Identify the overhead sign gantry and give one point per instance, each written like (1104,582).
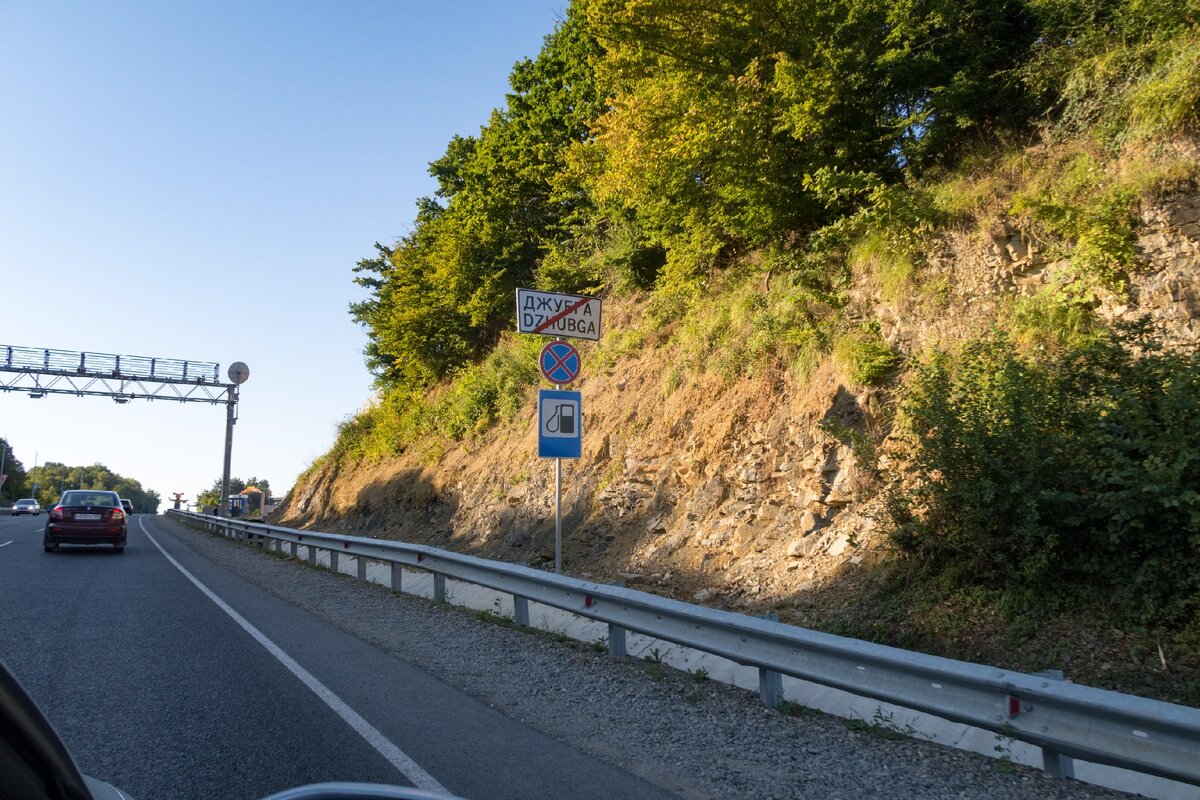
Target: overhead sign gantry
(39,372)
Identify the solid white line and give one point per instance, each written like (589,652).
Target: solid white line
(395,756)
(6,544)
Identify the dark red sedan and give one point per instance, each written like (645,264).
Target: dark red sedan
(87,516)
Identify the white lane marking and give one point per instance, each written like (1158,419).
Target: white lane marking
(395,756)
(6,544)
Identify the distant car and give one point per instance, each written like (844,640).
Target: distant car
(127,505)
(26,506)
(87,516)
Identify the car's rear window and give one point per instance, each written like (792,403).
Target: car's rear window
(85,498)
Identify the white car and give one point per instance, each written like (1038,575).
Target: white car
(26,506)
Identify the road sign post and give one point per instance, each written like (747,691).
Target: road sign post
(560,435)
(560,413)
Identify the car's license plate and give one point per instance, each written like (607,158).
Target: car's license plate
(87,517)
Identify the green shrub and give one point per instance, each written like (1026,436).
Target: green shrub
(1117,71)
(892,266)
(1053,319)
(1059,474)
(1167,99)
(1074,198)
(863,355)
(481,394)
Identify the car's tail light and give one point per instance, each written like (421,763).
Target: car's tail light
(117,515)
(56,512)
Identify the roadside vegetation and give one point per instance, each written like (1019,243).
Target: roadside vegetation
(53,478)
(737,166)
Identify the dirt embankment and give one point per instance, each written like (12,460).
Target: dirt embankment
(733,495)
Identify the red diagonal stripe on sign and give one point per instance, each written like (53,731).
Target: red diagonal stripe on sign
(560,362)
(561,314)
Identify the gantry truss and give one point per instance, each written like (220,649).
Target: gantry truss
(39,372)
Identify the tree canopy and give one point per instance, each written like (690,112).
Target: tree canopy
(441,295)
(16,485)
(54,478)
(652,142)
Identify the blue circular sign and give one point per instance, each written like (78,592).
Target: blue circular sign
(560,362)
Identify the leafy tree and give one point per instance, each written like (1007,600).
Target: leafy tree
(441,295)
(53,478)
(720,109)
(15,485)
(212,495)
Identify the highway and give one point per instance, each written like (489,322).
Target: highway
(158,690)
(194,667)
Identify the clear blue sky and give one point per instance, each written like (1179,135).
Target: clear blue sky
(196,180)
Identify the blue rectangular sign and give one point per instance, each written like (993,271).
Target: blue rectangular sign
(560,424)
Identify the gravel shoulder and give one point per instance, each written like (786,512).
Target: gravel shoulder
(695,739)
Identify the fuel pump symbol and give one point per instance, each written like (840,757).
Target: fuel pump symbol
(562,420)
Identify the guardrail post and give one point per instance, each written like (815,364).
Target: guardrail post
(362,568)
(333,560)
(521,611)
(397,577)
(616,641)
(439,588)
(312,556)
(770,687)
(770,683)
(295,549)
(1054,762)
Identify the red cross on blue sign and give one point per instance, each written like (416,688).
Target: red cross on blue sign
(560,362)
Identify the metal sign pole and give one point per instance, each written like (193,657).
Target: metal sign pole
(558,516)
(230,419)
(238,373)
(558,504)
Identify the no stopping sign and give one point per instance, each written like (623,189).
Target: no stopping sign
(560,362)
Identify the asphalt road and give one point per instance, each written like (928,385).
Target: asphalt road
(157,689)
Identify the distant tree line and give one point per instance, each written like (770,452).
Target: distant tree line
(53,478)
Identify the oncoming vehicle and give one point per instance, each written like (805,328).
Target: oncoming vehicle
(26,506)
(87,516)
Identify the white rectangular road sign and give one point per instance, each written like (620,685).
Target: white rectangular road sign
(554,314)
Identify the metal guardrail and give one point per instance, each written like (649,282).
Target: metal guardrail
(1064,719)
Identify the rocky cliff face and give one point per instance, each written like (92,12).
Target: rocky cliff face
(738,493)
